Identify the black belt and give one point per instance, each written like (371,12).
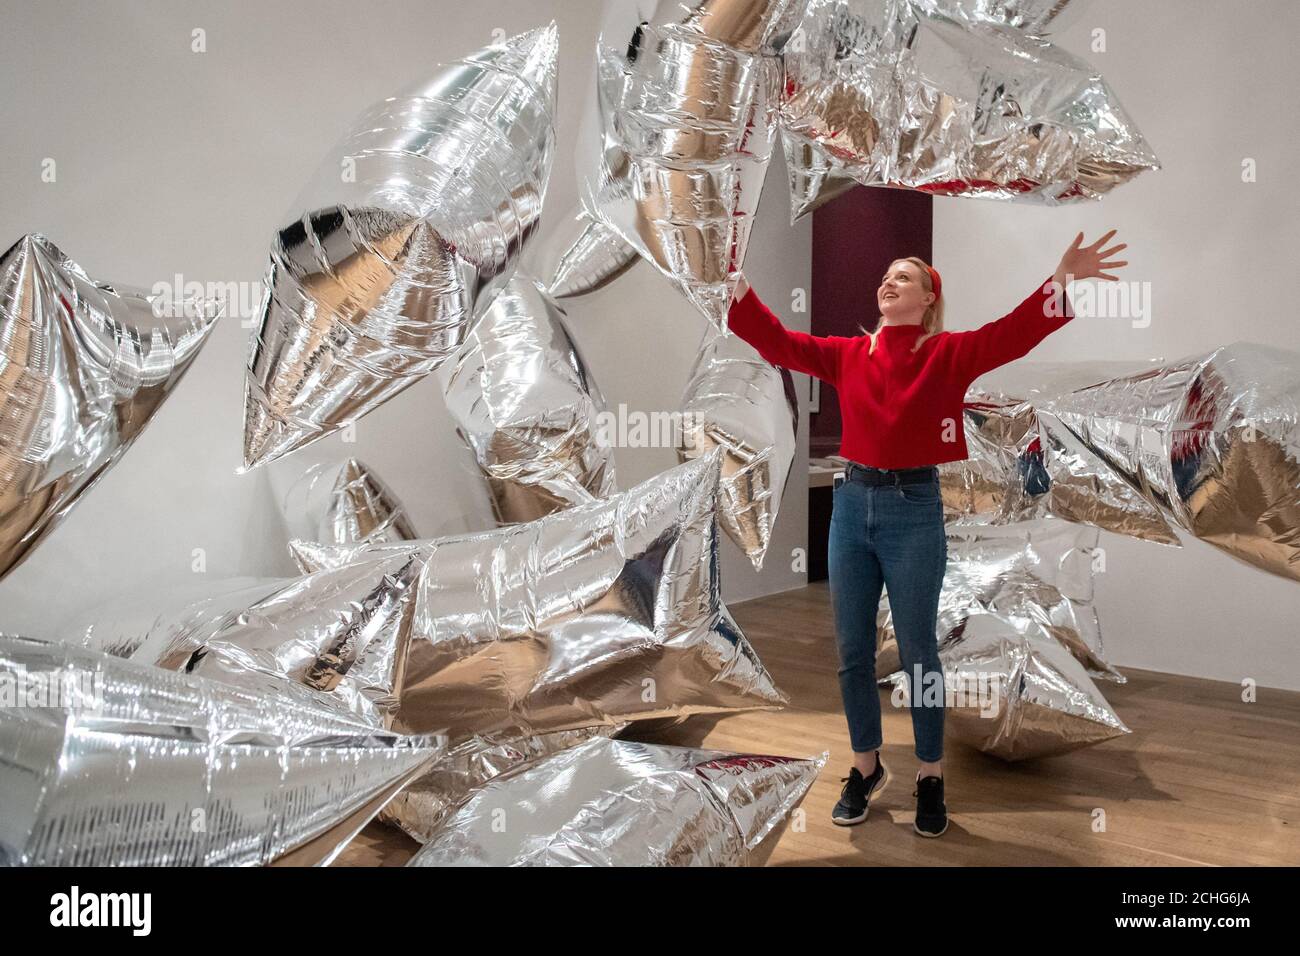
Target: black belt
(890,476)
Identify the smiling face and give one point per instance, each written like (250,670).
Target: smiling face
(902,296)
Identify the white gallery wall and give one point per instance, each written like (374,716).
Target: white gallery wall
(1211,85)
(170,161)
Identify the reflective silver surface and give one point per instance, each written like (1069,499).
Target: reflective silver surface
(408,230)
(110,763)
(619,803)
(341,632)
(345,502)
(1013,691)
(741,404)
(1209,444)
(593,256)
(678,134)
(595,615)
(1039,570)
(84,366)
(525,403)
(427,801)
(893,93)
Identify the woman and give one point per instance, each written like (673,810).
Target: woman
(900,390)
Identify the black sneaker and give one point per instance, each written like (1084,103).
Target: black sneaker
(857,794)
(931,813)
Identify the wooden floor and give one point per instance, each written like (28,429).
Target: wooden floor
(1203,779)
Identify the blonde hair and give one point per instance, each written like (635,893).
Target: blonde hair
(932,321)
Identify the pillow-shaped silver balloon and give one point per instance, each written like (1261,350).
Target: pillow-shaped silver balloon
(1013,691)
(677,137)
(525,402)
(113,763)
(904,96)
(84,366)
(592,256)
(595,615)
(345,502)
(738,402)
(619,803)
(411,225)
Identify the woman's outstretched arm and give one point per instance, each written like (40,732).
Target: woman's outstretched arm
(1045,310)
(798,351)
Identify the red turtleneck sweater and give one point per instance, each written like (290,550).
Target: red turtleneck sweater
(899,409)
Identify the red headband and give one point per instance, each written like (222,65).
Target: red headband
(936,284)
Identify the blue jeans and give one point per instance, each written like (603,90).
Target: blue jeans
(889,536)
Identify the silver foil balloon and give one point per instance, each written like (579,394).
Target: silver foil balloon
(525,403)
(594,256)
(426,802)
(598,614)
(619,803)
(84,366)
(341,632)
(1213,441)
(408,230)
(1018,470)
(895,93)
(111,763)
(1038,570)
(1013,691)
(677,138)
(346,502)
(738,402)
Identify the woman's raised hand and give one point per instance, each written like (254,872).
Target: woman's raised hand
(1087,262)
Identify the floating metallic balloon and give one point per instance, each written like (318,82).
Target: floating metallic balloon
(341,632)
(619,803)
(679,134)
(1018,472)
(598,614)
(1013,691)
(83,368)
(594,256)
(899,94)
(1213,441)
(108,762)
(1039,570)
(425,803)
(346,502)
(525,403)
(407,232)
(738,402)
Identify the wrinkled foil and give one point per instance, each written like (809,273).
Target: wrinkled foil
(341,632)
(594,256)
(1013,691)
(895,93)
(738,402)
(1213,441)
(84,366)
(110,763)
(1209,444)
(345,502)
(619,803)
(677,137)
(426,802)
(410,227)
(1039,570)
(526,404)
(598,614)
(1017,472)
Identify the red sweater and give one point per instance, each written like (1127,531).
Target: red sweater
(902,410)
